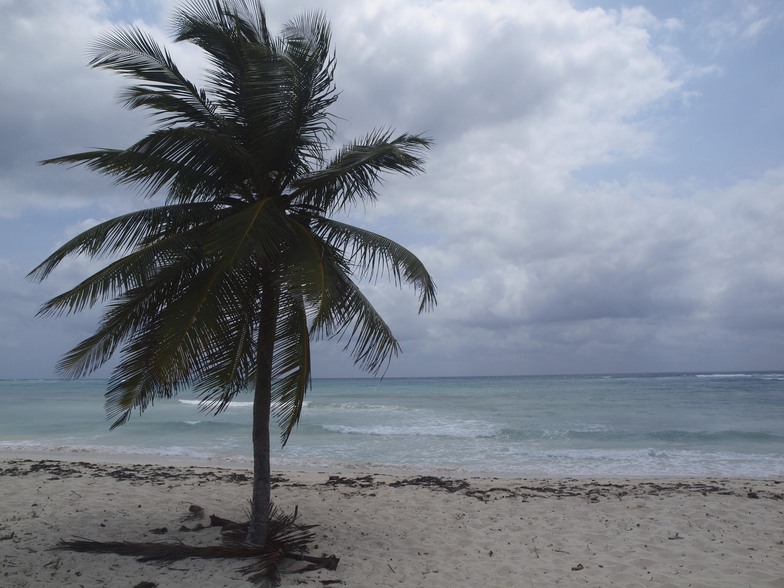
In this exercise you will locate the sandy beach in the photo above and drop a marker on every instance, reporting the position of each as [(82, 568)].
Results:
[(397, 530)]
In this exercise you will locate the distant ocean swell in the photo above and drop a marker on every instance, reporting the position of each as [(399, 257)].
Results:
[(728, 425)]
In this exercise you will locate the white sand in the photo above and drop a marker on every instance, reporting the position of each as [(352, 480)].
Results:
[(516, 533)]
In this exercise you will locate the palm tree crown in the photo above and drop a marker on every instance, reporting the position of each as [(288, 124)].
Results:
[(249, 196)]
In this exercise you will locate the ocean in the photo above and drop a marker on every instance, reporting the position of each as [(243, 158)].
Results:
[(641, 425)]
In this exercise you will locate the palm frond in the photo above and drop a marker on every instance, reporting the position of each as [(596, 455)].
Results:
[(132, 53), (367, 336), (307, 48), (175, 253), (259, 230), (208, 316), (231, 368), (355, 171), (224, 31), (291, 362), (268, 99), (345, 314), (123, 233), (373, 255), (198, 21), (340, 310), (183, 344), (194, 163), (125, 316)]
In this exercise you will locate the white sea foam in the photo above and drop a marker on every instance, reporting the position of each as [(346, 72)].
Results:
[(727, 375), (459, 429), (358, 406), (26, 447), (232, 404)]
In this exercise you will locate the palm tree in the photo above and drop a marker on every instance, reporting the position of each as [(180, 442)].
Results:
[(224, 283)]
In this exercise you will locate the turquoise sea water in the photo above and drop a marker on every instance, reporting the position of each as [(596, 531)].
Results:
[(619, 426)]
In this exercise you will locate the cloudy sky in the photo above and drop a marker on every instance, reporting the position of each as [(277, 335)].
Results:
[(606, 193)]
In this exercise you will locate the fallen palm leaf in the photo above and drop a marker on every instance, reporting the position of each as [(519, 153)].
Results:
[(286, 539)]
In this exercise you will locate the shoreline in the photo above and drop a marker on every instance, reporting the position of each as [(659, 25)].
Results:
[(290, 466), (392, 529)]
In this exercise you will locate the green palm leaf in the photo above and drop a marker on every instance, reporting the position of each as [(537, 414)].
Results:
[(125, 232), (354, 172), (374, 255), (291, 362), (170, 96)]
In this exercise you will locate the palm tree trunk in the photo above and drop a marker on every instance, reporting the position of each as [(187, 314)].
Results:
[(262, 400)]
